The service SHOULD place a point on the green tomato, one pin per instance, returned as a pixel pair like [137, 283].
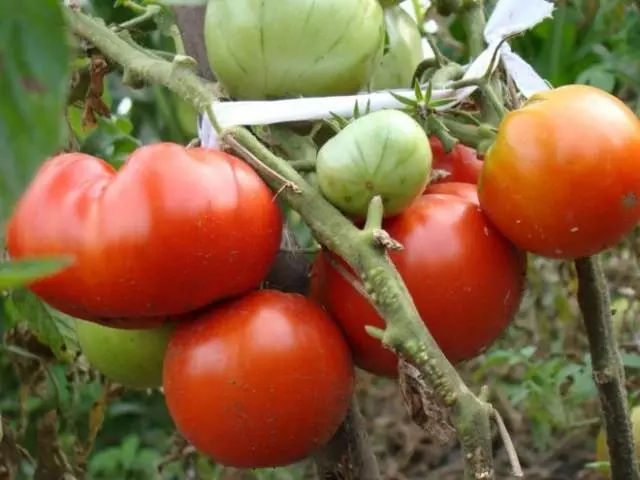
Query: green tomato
[132, 358]
[404, 51]
[384, 153]
[262, 49]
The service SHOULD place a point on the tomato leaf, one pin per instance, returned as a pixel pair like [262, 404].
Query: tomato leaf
[34, 78]
[17, 273]
[51, 327]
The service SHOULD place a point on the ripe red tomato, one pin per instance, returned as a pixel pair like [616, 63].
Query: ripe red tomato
[562, 179]
[464, 190]
[261, 381]
[462, 163]
[465, 278]
[173, 230]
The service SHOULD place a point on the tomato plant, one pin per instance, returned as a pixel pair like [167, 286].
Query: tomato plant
[383, 153]
[460, 165]
[173, 230]
[328, 47]
[465, 278]
[562, 179]
[132, 358]
[403, 51]
[261, 381]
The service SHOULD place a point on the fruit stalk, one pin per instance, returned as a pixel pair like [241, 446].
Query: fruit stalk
[471, 14]
[608, 371]
[405, 333]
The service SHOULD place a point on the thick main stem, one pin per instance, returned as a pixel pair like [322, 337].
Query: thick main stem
[608, 371]
[405, 332]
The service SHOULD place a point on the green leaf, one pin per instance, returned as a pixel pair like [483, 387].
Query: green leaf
[598, 76]
[51, 327]
[410, 102]
[17, 273]
[630, 360]
[34, 77]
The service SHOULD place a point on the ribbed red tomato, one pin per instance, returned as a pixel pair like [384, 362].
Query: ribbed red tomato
[465, 278]
[460, 165]
[261, 381]
[562, 179]
[173, 230]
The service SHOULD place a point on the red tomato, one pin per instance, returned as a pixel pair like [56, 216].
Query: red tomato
[562, 179]
[462, 163]
[173, 230]
[464, 190]
[465, 278]
[260, 381]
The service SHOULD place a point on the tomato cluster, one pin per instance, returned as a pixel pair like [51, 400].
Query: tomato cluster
[171, 251]
[169, 254]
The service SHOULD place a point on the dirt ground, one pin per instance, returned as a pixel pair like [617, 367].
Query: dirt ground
[406, 451]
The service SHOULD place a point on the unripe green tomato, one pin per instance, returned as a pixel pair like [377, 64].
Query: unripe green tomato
[384, 153]
[287, 48]
[404, 53]
[132, 358]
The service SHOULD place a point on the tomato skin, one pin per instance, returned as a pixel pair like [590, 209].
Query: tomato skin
[462, 163]
[132, 358]
[173, 230]
[264, 49]
[261, 381]
[465, 278]
[562, 179]
[464, 190]
[404, 52]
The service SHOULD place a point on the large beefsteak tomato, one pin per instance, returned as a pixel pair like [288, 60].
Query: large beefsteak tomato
[465, 278]
[562, 179]
[173, 230]
[260, 381]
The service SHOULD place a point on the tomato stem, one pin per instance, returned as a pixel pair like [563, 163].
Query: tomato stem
[375, 214]
[349, 453]
[608, 370]
[146, 13]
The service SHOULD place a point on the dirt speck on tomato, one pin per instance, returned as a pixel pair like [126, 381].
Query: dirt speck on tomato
[630, 200]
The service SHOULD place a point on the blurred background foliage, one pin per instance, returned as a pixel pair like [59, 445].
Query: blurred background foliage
[538, 372]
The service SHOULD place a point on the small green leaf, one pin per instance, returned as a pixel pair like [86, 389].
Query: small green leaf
[630, 360]
[410, 102]
[34, 59]
[51, 327]
[17, 273]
